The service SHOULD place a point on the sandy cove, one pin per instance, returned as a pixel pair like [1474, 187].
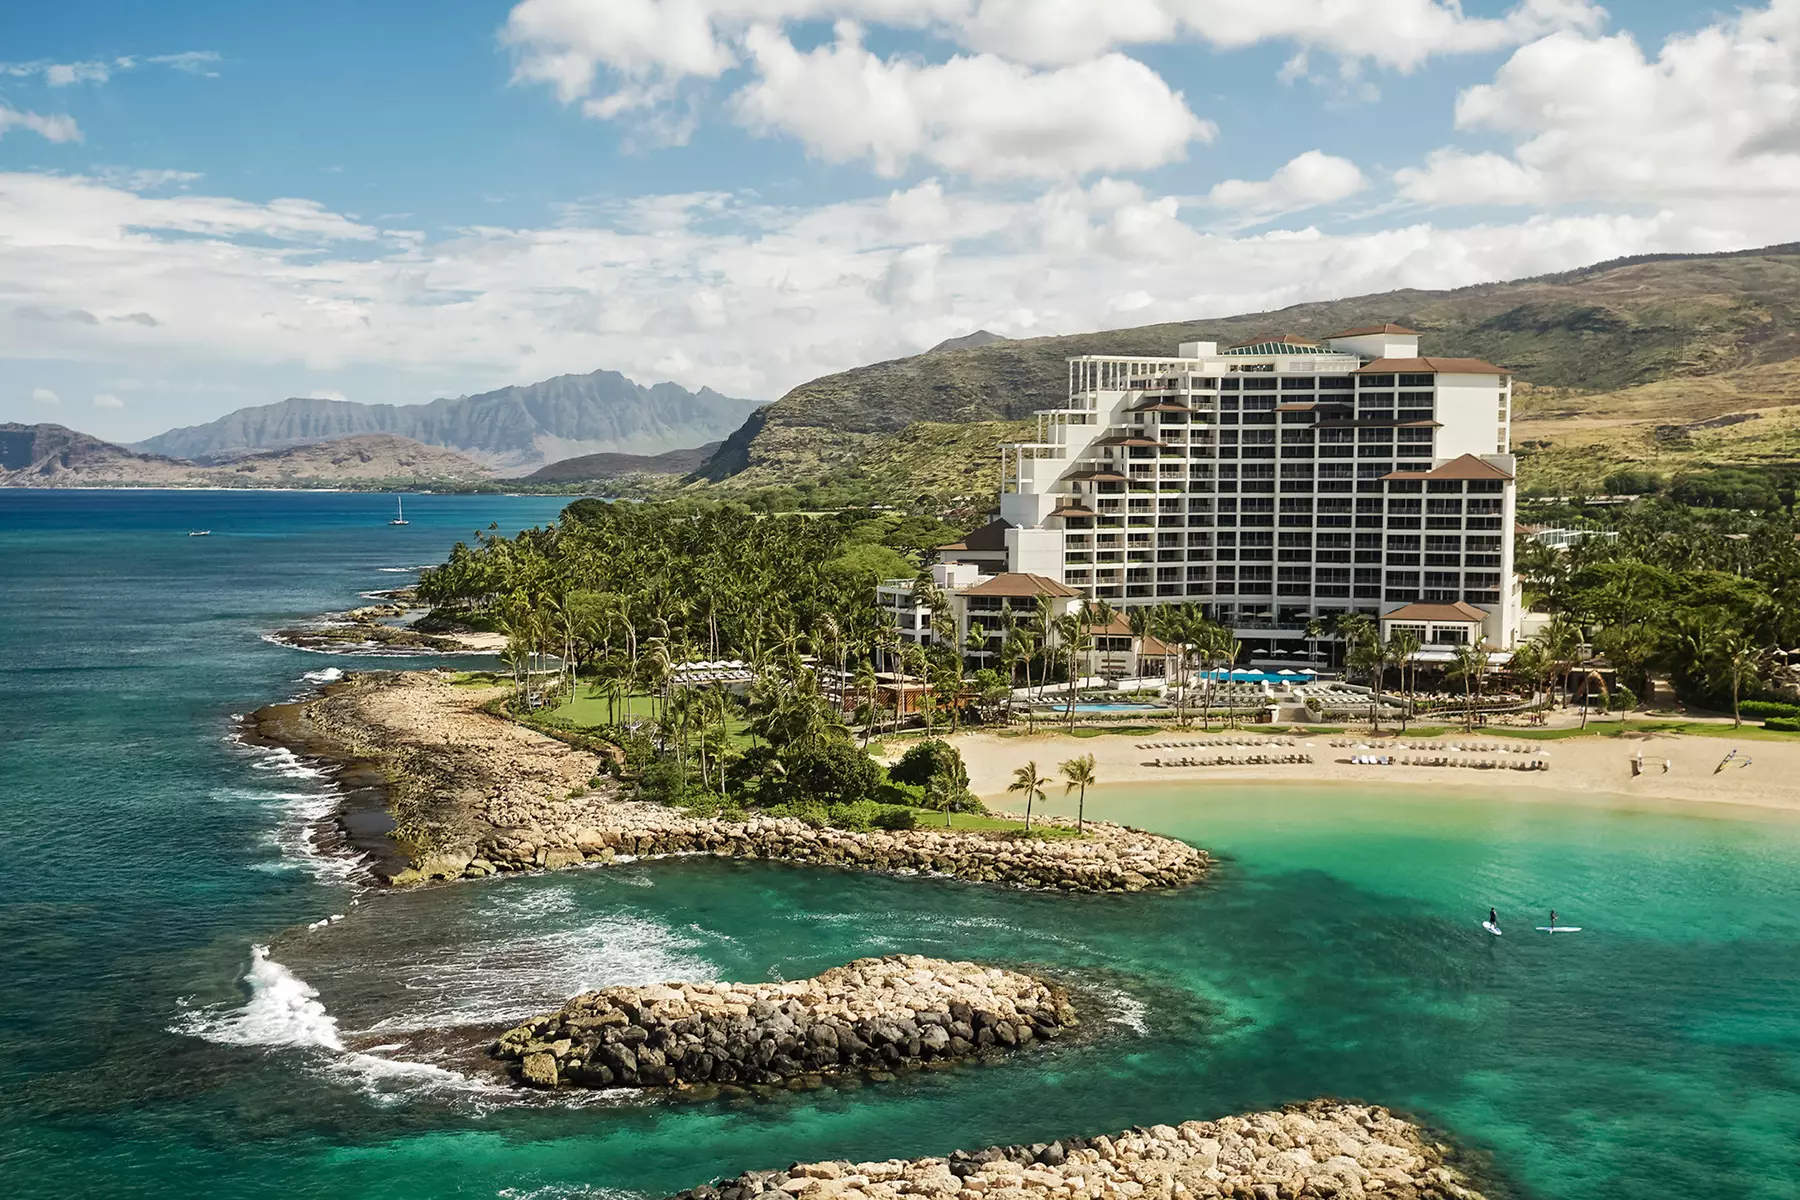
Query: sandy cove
[1597, 765]
[472, 794]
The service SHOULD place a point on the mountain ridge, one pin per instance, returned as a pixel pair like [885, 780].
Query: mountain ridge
[1596, 331]
[518, 427]
[48, 455]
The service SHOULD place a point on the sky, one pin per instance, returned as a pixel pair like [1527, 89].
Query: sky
[207, 205]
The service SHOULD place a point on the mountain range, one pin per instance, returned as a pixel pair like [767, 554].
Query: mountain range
[512, 429]
[1665, 361]
[54, 456]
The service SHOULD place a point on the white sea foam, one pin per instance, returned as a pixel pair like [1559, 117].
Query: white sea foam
[1128, 1011]
[328, 675]
[283, 1010]
[299, 817]
[520, 972]
[281, 761]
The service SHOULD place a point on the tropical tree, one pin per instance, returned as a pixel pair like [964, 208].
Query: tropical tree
[1028, 783]
[1741, 663]
[1078, 773]
[1403, 643]
[1469, 663]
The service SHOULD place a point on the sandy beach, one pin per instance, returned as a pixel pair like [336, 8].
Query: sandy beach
[1598, 765]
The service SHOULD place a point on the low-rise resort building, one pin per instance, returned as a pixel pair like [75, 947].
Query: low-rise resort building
[1274, 483]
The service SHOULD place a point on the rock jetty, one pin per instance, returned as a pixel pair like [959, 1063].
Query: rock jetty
[1322, 1149]
[873, 1014]
[475, 795]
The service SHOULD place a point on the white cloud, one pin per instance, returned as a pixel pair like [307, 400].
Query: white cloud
[977, 115]
[1710, 120]
[1308, 181]
[106, 400]
[57, 128]
[564, 42]
[45, 396]
[323, 394]
[708, 288]
[191, 62]
[65, 74]
[648, 49]
[100, 70]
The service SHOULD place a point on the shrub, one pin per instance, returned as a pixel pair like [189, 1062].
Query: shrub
[922, 760]
[812, 812]
[906, 794]
[1623, 699]
[1632, 481]
[895, 817]
[1783, 724]
[1769, 708]
[663, 781]
[834, 772]
[858, 816]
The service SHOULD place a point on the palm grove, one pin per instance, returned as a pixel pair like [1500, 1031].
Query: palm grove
[615, 599]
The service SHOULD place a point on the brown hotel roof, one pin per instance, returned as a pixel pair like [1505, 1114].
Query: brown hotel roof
[1020, 585]
[1459, 611]
[1430, 366]
[1466, 467]
[1372, 329]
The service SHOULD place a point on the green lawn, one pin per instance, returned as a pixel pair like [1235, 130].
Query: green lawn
[587, 711]
[929, 819]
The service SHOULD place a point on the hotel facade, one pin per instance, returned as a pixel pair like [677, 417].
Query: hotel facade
[1273, 483]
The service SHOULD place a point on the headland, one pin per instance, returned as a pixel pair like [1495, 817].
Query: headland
[474, 794]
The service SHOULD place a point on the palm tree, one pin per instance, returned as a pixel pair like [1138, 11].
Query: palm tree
[1027, 647]
[1561, 640]
[1742, 662]
[976, 641]
[1076, 641]
[1028, 782]
[1469, 663]
[1315, 629]
[1078, 773]
[866, 683]
[1402, 645]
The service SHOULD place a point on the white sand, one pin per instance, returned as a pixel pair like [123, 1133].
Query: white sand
[1599, 765]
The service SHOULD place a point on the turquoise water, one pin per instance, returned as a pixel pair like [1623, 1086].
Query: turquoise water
[146, 1050]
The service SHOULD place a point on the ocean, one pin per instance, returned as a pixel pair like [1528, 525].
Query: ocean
[181, 1014]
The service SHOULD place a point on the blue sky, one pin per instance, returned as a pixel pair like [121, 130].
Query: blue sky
[204, 206]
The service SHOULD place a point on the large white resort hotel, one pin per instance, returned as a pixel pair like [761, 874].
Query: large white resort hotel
[1271, 483]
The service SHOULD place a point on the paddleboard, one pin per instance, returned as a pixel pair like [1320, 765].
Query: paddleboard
[1492, 928]
[1559, 929]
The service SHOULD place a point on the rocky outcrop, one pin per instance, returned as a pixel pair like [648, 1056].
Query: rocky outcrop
[1322, 1149]
[873, 1014]
[1107, 858]
[476, 795]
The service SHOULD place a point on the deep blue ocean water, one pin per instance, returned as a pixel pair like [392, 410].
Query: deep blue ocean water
[171, 1026]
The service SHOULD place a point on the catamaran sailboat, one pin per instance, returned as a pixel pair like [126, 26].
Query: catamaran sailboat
[399, 513]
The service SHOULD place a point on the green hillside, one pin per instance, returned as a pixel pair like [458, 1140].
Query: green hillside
[1589, 345]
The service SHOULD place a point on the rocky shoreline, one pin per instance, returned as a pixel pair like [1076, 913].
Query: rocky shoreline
[1321, 1149]
[473, 795]
[883, 1014]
